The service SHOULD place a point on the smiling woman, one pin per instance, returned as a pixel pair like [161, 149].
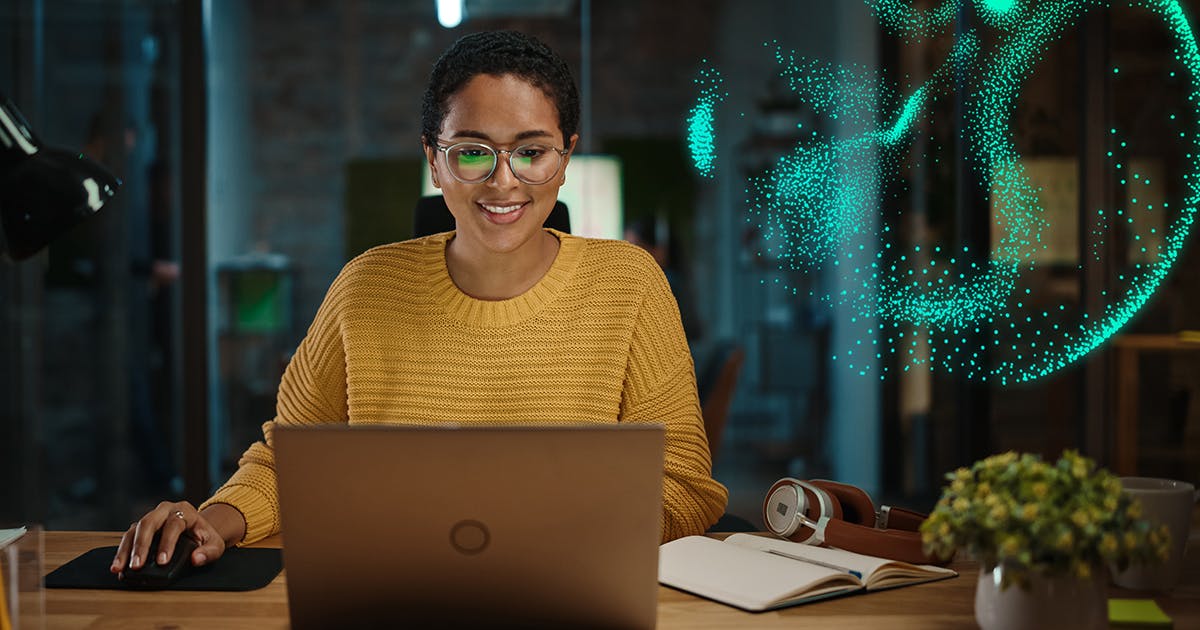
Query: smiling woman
[499, 206]
[491, 95]
[501, 321]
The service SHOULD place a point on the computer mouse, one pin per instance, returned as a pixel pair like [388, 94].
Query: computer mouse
[154, 576]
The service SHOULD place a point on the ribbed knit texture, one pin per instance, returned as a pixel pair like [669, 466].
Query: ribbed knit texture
[597, 340]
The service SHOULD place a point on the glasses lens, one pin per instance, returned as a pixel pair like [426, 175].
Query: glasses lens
[471, 162]
[535, 163]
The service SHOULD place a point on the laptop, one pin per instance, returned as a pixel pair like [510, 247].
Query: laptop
[468, 526]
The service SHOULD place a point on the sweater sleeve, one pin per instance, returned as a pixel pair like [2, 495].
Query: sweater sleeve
[660, 387]
[312, 391]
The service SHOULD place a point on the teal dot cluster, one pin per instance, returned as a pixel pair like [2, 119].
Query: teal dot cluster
[904, 19]
[981, 315]
[847, 96]
[701, 123]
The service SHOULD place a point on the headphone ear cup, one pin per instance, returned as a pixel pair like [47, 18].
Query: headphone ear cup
[780, 508]
[854, 504]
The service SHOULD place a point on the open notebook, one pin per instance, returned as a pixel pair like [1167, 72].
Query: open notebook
[758, 573]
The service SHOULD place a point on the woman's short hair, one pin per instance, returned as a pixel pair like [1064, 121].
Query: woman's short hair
[499, 53]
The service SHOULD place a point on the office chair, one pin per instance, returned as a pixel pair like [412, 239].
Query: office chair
[717, 383]
[431, 216]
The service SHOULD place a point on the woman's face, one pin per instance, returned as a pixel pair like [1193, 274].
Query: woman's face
[500, 214]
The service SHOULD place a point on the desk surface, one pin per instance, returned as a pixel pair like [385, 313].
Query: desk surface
[944, 604]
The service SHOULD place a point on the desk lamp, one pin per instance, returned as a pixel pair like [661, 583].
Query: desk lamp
[43, 191]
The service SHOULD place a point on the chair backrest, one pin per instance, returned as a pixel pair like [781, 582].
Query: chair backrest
[716, 391]
[431, 216]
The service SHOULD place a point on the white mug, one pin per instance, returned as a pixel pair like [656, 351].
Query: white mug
[1164, 502]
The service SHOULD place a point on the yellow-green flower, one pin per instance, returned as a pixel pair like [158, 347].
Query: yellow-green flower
[1081, 518]
[1160, 539]
[1083, 570]
[1159, 536]
[963, 475]
[1011, 546]
[1040, 489]
[1080, 468]
[1003, 459]
[1108, 544]
[1029, 511]
[961, 505]
[1066, 541]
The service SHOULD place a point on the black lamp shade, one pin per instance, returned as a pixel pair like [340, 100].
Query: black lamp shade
[48, 193]
[43, 192]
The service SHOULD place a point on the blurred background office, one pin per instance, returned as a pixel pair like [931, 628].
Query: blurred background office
[263, 144]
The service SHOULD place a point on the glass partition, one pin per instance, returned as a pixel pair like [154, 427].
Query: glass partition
[91, 379]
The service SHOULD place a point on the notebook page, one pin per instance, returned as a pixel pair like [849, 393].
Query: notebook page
[875, 572]
[747, 578]
[9, 535]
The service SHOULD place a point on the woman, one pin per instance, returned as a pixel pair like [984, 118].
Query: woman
[499, 320]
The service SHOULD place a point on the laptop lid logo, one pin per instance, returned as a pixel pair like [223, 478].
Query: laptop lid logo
[470, 537]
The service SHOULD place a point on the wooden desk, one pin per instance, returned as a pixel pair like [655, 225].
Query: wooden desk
[1129, 349]
[945, 604]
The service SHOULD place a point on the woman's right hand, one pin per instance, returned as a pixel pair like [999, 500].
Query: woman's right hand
[175, 520]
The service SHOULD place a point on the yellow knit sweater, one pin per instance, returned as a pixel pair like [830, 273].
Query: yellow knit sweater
[596, 340]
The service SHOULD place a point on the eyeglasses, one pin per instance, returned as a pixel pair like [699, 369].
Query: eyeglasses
[474, 162]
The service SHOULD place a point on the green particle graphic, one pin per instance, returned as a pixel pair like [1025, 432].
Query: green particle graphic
[973, 314]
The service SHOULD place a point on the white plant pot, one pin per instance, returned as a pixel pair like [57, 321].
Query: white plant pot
[1052, 602]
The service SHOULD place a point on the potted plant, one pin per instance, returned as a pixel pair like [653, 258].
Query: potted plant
[1044, 535]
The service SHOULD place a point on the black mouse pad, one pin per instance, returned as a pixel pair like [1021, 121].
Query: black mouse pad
[238, 569]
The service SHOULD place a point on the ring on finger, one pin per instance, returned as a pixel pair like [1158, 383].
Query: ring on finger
[180, 515]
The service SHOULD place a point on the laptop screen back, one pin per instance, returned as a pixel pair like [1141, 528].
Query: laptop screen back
[521, 526]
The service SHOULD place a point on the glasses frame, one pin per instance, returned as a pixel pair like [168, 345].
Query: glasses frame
[445, 151]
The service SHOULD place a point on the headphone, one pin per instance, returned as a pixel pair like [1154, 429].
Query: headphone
[823, 512]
